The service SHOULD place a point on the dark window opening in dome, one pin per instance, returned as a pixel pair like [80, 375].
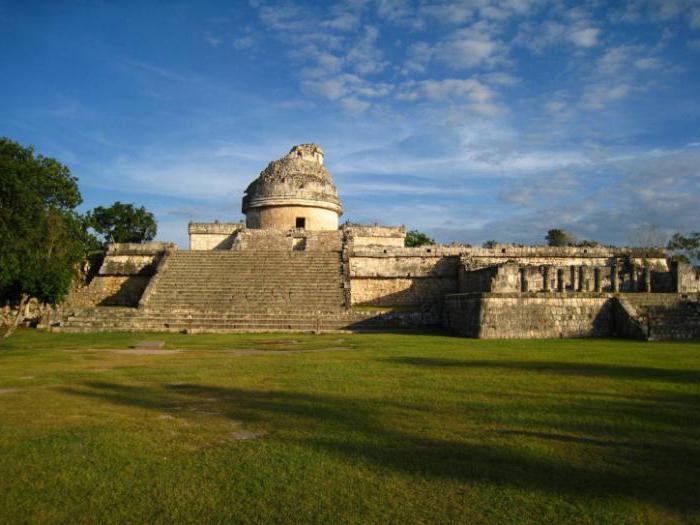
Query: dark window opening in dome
[301, 222]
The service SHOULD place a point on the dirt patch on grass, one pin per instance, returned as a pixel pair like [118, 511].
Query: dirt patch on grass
[256, 351]
[8, 390]
[280, 342]
[246, 435]
[144, 351]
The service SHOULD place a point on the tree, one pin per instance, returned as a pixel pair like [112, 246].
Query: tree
[557, 237]
[490, 244]
[587, 244]
[417, 238]
[41, 238]
[122, 223]
[686, 249]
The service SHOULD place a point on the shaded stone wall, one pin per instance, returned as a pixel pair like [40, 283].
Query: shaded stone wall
[401, 277]
[122, 278]
[528, 316]
[687, 278]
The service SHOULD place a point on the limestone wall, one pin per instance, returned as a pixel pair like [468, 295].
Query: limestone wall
[529, 316]
[687, 278]
[285, 217]
[292, 240]
[212, 235]
[122, 278]
[363, 235]
[406, 278]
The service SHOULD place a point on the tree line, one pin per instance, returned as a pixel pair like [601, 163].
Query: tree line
[43, 238]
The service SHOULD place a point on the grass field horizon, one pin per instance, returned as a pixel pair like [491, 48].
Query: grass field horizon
[347, 428]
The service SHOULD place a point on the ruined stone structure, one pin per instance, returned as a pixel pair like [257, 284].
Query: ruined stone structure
[295, 191]
[290, 267]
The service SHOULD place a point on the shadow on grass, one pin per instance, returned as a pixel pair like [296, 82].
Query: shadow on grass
[577, 369]
[356, 429]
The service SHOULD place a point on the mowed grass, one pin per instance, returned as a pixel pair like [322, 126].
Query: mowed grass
[367, 428]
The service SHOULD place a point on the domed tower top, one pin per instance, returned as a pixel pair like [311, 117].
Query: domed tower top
[295, 191]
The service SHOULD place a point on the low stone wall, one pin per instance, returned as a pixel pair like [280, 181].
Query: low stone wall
[34, 311]
[399, 279]
[291, 240]
[687, 278]
[529, 316]
[122, 278]
[213, 235]
[401, 292]
[360, 235]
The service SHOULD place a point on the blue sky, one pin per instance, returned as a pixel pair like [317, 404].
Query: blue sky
[484, 119]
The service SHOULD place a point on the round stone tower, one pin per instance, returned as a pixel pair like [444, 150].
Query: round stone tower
[295, 191]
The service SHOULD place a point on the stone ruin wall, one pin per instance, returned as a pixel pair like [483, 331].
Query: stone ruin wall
[291, 240]
[529, 316]
[358, 235]
[212, 235]
[122, 278]
[385, 276]
[422, 276]
[284, 217]
[686, 278]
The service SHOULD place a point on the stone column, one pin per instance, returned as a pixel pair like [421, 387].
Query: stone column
[560, 280]
[597, 285]
[574, 278]
[545, 284]
[647, 279]
[614, 281]
[523, 280]
[633, 279]
[582, 279]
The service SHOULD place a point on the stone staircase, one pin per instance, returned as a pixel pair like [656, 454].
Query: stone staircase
[280, 282]
[660, 316]
[136, 319]
[235, 291]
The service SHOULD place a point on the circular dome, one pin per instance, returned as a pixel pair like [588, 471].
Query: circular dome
[295, 191]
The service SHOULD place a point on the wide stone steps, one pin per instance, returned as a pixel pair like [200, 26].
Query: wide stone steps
[112, 319]
[249, 281]
[667, 316]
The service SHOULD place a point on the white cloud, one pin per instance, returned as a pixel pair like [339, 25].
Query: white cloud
[355, 105]
[597, 96]
[468, 48]
[212, 40]
[501, 79]
[243, 42]
[436, 90]
[364, 55]
[417, 57]
[648, 63]
[587, 37]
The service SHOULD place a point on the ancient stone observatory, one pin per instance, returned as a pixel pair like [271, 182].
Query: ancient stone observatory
[295, 191]
[290, 267]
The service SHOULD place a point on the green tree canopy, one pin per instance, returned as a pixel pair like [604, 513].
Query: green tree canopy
[686, 249]
[122, 223]
[41, 238]
[557, 237]
[417, 238]
[489, 244]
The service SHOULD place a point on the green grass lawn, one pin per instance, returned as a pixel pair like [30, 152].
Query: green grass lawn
[361, 428]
